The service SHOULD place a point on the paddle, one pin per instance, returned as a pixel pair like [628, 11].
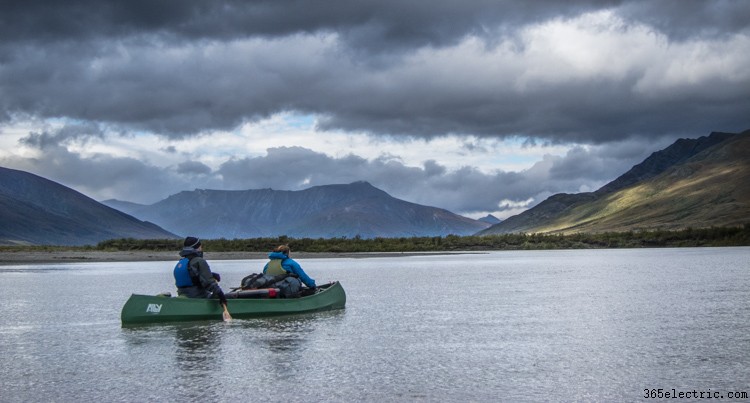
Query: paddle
[227, 317]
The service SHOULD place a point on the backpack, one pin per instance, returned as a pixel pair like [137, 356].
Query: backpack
[288, 284]
[260, 280]
[289, 287]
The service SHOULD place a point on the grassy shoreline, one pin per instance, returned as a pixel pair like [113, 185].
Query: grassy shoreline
[305, 248]
[21, 257]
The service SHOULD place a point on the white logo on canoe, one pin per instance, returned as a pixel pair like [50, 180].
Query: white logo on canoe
[153, 308]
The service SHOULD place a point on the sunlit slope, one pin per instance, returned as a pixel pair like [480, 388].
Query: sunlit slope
[710, 189]
[560, 205]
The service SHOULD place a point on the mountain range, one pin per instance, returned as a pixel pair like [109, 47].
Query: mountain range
[695, 183]
[37, 211]
[330, 211]
[692, 183]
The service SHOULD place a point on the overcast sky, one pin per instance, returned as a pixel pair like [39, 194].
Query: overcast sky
[474, 106]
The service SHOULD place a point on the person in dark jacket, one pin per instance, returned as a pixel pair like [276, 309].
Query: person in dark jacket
[280, 262]
[193, 276]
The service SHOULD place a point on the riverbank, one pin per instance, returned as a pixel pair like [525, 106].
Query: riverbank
[73, 256]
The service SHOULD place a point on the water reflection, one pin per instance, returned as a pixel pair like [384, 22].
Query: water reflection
[195, 343]
[196, 356]
[244, 350]
[279, 348]
[189, 352]
[283, 335]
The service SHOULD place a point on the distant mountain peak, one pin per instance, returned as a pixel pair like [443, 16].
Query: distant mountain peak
[328, 211]
[490, 219]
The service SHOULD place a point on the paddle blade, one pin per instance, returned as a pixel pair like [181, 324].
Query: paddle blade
[227, 317]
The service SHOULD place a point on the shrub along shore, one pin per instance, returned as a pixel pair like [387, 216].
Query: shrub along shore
[164, 249]
[716, 236]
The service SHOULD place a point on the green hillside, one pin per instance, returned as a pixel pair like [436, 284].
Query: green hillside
[710, 189]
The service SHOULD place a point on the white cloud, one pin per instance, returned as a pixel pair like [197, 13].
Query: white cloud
[697, 66]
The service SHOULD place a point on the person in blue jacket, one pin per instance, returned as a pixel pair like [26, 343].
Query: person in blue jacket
[194, 278]
[281, 263]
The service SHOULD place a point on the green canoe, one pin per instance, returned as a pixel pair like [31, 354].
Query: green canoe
[158, 309]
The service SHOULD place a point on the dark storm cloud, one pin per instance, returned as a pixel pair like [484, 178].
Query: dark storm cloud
[586, 112]
[180, 68]
[369, 24]
[632, 76]
[681, 19]
[376, 25]
[192, 90]
[52, 138]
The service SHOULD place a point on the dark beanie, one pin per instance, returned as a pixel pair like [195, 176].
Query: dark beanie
[192, 242]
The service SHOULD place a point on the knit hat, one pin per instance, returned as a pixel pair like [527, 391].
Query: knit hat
[192, 242]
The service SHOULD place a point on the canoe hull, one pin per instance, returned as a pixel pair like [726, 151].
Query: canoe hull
[141, 309]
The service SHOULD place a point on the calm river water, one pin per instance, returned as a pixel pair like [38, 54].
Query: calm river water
[602, 325]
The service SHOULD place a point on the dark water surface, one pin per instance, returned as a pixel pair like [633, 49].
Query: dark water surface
[597, 325]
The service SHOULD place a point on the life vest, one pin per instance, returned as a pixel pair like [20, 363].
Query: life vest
[183, 275]
[274, 268]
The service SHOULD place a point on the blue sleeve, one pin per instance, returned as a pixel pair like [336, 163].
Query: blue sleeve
[294, 267]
